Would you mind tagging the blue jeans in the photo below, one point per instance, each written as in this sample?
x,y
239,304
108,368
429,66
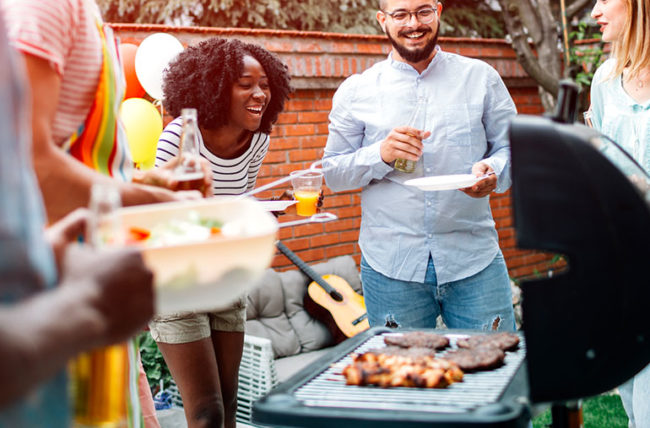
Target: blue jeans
x,y
480,302
635,394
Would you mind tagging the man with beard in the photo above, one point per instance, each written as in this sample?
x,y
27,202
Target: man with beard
x,y
425,253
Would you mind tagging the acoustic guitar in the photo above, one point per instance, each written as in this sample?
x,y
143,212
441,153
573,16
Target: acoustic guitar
x,y
330,299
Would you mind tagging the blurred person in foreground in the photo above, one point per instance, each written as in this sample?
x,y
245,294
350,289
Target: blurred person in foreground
x,y
77,86
99,297
620,109
425,254
238,90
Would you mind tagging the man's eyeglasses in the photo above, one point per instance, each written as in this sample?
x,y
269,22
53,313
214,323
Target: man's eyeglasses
x,y
403,17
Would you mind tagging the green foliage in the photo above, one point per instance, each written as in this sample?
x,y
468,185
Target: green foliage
x,y
600,411
471,18
466,18
585,58
153,362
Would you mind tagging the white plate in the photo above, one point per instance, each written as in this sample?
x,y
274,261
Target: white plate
x,y
276,205
444,182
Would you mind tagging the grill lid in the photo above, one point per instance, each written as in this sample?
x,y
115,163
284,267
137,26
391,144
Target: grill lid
x,y
575,193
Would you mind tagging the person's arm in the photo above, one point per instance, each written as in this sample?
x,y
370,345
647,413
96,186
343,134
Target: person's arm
x,y
346,164
104,298
499,110
65,182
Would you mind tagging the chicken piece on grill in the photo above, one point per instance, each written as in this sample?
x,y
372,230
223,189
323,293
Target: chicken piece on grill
x,y
386,370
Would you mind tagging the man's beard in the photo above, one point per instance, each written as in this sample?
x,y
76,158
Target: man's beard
x,y
416,55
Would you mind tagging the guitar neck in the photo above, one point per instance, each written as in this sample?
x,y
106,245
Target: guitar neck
x,y
305,268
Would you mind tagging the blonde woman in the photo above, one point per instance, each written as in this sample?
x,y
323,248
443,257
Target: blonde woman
x,y
620,108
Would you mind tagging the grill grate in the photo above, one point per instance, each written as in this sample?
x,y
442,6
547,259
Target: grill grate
x,y
328,389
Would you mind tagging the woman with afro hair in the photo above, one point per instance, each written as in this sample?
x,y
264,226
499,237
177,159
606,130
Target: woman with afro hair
x,y
238,90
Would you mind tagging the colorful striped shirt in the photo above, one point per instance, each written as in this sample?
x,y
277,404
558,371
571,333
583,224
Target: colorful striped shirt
x,y
64,33
229,176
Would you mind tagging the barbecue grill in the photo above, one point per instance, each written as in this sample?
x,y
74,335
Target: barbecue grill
x,y
575,193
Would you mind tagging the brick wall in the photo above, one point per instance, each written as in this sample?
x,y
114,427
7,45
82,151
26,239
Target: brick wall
x,y
318,63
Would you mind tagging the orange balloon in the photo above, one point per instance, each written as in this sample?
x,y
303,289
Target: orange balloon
x,y
133,87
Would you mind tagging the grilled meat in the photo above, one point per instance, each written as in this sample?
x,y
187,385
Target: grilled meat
x,y
504,341
399,368
476,359
418,339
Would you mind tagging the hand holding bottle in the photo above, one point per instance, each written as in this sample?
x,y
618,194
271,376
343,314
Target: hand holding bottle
x,y
404,143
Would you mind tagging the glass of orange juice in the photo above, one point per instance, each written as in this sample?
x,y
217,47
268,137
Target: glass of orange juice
x,y
306,190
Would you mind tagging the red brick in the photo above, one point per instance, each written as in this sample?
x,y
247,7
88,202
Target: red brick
x,y
279,46
276,156
313,117
304,155
295,130
307,229
312,255
336,200
325,240
313,141
286,118
339,250
371,48
323,104
299,105
310,48
474,52
339,225
350,236
343,47
297,244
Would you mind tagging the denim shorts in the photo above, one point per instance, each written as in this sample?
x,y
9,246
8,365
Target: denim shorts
x,y
481,302
185,327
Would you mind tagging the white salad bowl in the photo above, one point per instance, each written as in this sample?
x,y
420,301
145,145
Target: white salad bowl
x,y
212,273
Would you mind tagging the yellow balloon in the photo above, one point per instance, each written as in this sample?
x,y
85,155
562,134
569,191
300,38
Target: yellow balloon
x,y
143,125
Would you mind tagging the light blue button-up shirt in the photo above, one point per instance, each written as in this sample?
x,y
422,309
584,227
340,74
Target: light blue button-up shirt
x,y
619,116
467,110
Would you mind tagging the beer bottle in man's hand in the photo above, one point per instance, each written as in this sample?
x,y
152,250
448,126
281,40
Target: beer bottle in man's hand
x,y
406,165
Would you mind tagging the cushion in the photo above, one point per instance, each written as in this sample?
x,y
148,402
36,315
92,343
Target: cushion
x,y
289,327
266,316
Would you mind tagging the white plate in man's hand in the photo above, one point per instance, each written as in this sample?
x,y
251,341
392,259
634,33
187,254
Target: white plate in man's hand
x,y
444,182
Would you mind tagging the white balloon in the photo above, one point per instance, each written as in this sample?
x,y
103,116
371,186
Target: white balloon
x,y
152,57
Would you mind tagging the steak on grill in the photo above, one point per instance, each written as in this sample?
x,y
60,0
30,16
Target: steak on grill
x,y
476,359
417,339
504,341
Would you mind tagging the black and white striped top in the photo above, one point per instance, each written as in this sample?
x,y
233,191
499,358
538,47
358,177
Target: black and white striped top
x,y
229,176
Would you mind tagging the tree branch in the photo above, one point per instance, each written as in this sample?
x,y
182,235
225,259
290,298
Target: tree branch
x,y
576,7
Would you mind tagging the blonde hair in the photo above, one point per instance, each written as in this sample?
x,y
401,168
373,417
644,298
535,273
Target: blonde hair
x,y
632,50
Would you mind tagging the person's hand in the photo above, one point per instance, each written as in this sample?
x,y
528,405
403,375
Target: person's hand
x,y
287,195
66,231
115,287
483,187
163,176
403,142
